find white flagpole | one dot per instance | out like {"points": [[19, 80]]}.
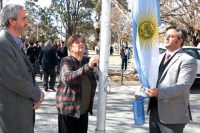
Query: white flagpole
{"points": [[105, 38]]}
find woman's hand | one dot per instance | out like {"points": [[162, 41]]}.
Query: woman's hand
{"points": [[94, 61]]}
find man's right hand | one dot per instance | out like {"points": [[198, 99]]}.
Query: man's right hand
{"points": [[38, 104]]}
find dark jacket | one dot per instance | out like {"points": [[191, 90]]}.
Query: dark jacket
{"points": [[18, 90], [62, 52], [48, 57], [69, 89], [31, 53], [124, 52]]}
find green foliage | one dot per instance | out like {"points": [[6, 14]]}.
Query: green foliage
{"points": [[41, 24], [98, 8], [123, 3], [92, 44], [63, 17], [74, 15]]}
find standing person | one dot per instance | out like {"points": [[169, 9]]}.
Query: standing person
{"points": [[36, 65], [31, 53], [124, 57], [169, 103], [111, 50], [48, 59], [75, 93], [19, 94], [62, 51], [86, 53], [97, 49], [37, 49]]}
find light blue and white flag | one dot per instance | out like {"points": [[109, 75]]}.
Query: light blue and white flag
{"points": [[146, 18]]}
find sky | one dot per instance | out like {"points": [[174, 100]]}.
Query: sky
{"points": [[42, 3]]}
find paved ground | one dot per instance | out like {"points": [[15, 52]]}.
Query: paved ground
{"points": [[119, 116]]}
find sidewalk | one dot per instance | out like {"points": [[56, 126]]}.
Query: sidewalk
{"points": [[119, 114]]}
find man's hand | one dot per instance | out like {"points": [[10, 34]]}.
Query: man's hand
{"points": [[37, 105], [152, 92]]}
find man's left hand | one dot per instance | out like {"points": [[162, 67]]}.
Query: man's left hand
{"points": [[152, 92]]}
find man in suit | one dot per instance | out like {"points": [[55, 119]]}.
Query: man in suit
{"points": [[124, 55], [169, 102], [49, 60], [19, 94], [62, 51]]}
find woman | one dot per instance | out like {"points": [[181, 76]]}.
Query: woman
{"points": [[77, 87]]}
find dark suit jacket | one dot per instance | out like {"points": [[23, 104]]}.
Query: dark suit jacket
{"points": [[18, 90], [31, 53], [62, 52], [48, 57]]}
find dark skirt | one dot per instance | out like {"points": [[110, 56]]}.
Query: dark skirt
{"points": [[69, 124]]}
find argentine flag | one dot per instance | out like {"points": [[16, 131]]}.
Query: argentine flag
{"points": [[146, 18]]}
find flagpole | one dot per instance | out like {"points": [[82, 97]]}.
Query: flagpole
{"points": [[105, 38]]}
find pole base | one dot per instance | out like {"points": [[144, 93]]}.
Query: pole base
{"points": [[97, 131]]}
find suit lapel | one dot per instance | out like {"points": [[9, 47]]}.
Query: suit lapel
{"points": [[13, 44], [25, 57], [174, 59], [161, 57]]}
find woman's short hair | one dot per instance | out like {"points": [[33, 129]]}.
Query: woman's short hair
{"points": [[72, 39], [9, 12]]}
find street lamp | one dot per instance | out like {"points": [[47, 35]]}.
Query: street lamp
{"points": [[196, 10], [196, 20], [37, 21], [37, 32], [61, 32], [58, 19], [97, 21], [97, 29], [1, 4]]}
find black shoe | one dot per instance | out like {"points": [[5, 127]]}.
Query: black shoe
{"points": [[45, 88], [52, 89]]}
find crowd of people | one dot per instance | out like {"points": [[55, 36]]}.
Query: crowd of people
{"points": [[45, 58], [20, 94]]}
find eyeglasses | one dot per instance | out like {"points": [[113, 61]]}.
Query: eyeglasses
{"points": [[170, 36], [78, 42]]}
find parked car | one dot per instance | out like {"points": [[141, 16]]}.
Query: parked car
{"points": [[194, 52]]}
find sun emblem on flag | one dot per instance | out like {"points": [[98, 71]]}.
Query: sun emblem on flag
{"points": [[147, 29]]}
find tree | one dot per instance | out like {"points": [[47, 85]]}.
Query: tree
{"points": [[120, 23], [185, 13], [66, 17], [41, 24], [75, 15]]}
